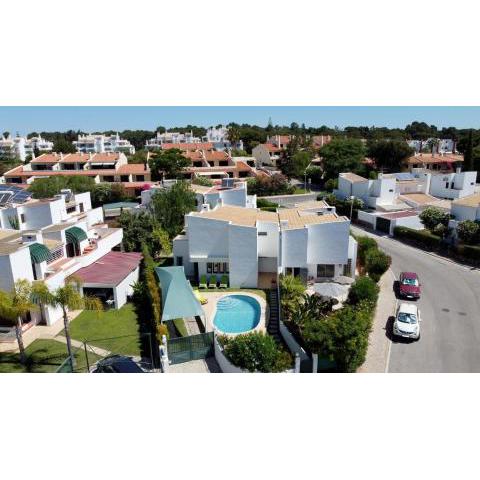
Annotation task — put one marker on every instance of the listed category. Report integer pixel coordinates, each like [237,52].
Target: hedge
[423,237]
[469,252]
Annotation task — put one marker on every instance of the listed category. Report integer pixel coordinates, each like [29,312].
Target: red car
[409,285]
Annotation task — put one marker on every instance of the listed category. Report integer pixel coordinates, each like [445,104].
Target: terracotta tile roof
[320,140]
[214,155]
[105,157]
[196,155]
[133,168]
[271,148]
[137,184]
[243,167]
[353,177]
[110,269]
[470,201]
[75,158]
[46,158]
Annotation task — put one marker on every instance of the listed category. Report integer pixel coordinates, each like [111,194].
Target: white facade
[453,185]
[444,145]
[49,223]
[103,144]
[373,193]
[219,138]
[21,147]
[171,137]
[266,154]
[243,243]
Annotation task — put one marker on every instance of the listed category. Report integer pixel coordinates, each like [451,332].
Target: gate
[383,225]
[194,347]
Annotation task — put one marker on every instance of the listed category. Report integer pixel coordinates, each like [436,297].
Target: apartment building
[102,167]
[103,144]
[219,138]
[444,145]
[22,147]
[245,243]
[161,139]
[440,162]
[52,239]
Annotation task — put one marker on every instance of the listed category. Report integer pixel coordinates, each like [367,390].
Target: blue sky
[27,119]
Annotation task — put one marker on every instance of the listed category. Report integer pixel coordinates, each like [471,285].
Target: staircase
[273,327]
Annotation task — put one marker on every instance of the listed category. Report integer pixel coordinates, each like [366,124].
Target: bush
[331,184]
[431,217]
[422,237]
[469,252]
[469,232]
[376,263]
[364,288]
[364,245]
[292,290]
[315,174]
[162,330]
[256,352]
[277,184]
[263,203]
[206,182]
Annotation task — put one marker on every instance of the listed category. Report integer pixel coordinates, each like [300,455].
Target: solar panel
[404,176]
[13,194]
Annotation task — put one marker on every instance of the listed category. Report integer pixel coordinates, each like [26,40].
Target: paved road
[450,311]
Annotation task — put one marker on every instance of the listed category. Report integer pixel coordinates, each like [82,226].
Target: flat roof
[470,201]
[403,214]
[298,219]
[353,177]
[420,198]
[110,269]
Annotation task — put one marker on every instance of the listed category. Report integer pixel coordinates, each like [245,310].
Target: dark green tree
[342,155]
[390,155]
[61,145]
[168,164]
[468,154]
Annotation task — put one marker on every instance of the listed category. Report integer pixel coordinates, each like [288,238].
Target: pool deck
[210,308]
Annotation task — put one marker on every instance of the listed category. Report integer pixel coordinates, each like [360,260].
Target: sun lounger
[203,282]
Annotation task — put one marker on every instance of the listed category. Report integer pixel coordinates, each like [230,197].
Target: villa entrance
[194,347]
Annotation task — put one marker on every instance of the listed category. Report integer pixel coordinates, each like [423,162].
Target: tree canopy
[343,155]
[50,186]
[389,154]
[168,163]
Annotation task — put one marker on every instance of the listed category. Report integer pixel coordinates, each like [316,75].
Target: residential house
[444,145]
[267,154]
[219,138]
[161,139]
[466,208]
[103,144]
[246,243]
[102,167]
[59,237]
[435,162]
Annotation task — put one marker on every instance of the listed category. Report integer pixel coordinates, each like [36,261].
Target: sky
[28,119]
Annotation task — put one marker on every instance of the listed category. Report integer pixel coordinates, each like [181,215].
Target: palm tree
[13,306]
[291,293]
[67,298]
[233,133]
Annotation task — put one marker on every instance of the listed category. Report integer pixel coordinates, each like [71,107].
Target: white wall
[328,243]
[124,288]
[463,182]
[243,257]
[410,222]
[463,212]
[262,156]
[268,244]
[15,266]
[207,237]
[294,248]
[181,249]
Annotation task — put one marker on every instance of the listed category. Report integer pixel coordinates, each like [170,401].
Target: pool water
[237,314]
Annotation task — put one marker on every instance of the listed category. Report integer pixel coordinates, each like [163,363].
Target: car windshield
[410,281]
[410,318]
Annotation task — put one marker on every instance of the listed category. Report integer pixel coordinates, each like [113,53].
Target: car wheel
[419,337]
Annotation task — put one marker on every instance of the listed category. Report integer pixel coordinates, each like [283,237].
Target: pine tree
[468,155]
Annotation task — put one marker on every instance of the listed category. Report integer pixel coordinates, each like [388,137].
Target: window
[446,185]
[124,178]
[262,234]
[108,178]
[391,190]
[179,261]
[22,218]
[81,207]
[140,178]
[324,270]
[217,267]
[71,209]
[55,255]
[347,269]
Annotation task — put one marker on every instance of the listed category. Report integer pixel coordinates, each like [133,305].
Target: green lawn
[113,330]
[44,356]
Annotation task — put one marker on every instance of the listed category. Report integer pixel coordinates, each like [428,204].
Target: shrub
[469,232]
[421,237]
[162,330]
[206,182]
[376,263]
[263,203]
[433,216]
[315,174]
[331,184]
[256,352]
[364,245]
[469,252]
[364,288]
[291,293]
[277,184]
[343,336]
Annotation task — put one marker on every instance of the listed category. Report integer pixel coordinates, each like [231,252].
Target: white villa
[171,137]
[103,144]
[219,138]
[21,147]
[52,239]
[247,244]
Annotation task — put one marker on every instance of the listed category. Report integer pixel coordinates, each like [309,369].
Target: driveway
[450,311]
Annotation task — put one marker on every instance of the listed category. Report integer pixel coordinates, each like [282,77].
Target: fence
[194,347]
[138,347]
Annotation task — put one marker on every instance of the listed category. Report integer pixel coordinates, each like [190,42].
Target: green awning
[178,298]
[39,253]
[75,235]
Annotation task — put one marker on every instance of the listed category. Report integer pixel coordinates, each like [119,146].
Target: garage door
[383,225]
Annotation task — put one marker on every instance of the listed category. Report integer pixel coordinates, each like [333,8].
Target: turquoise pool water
[237,314]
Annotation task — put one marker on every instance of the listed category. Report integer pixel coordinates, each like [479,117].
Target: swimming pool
[237,314]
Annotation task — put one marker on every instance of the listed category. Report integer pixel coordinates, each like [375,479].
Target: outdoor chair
[203,282]
[212,282]
[224,281]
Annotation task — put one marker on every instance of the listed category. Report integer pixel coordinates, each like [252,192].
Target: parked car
[409,285]
[116,364]
[407,321]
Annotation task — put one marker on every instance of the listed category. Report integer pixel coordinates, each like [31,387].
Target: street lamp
[352,198]
[305,173]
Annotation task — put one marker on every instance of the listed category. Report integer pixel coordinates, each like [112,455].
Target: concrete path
[75,343]
[209,365]
[379,344]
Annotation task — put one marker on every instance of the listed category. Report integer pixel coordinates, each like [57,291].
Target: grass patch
[114,330]
[44,356]
[300,191]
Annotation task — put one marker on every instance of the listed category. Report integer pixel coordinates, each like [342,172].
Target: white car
[407,321]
